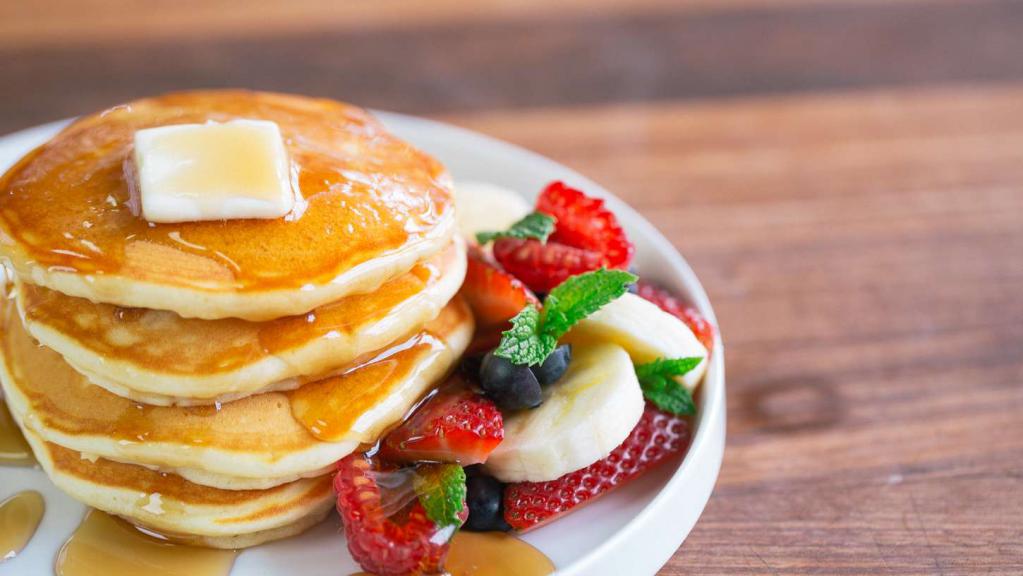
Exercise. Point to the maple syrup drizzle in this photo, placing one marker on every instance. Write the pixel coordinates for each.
(14, 450)
(19, 517)
(104, 545)
(492, 554)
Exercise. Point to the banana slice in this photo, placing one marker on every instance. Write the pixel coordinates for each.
(585, 415)
(645, 331)
(484, 207)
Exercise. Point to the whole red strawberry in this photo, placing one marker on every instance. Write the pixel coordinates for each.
(657, 436)
(388, 531)
(455, 425)
(703, 330)
(584, 222)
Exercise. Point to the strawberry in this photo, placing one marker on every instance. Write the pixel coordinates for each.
(703, 330)
(656, 437)
(455, 425)
(544, 266)
(493, 294)
(584, 222)
(388, 530)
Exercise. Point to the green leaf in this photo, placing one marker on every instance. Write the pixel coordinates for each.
(657, 379)
(534, 225)
(534, 334)
(582, 295)
(525, 343)
(441, 491)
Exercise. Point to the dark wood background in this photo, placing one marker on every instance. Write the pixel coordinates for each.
(846, 178)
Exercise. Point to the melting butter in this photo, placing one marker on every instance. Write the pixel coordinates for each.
(212, 171)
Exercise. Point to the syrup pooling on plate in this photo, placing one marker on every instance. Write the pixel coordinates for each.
(364, 193)
(331, 408)
(19, 517)
(104, 545)
(14, 450)
(494, 554)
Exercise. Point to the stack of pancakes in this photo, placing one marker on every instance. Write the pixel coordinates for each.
(201, 379)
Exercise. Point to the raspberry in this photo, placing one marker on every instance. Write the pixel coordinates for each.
(703, 330)
(657, 436)
(544, 266)
(385, 537)
(584, 222)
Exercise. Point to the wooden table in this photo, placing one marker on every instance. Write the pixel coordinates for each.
(846, 178)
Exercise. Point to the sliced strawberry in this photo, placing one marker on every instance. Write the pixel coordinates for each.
(493, 294)
(456, 425)
(703, 330)
(388, 531)
(657, 436)
(544, 266)
(584, 222)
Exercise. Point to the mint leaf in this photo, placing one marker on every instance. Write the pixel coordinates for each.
(534, 334)
(534, 225)
(657, 379)
(582, 295)
(525, 343)
(441, 491)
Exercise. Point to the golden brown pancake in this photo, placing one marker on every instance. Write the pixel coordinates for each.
(371, 207)
(171, 505)
(257, 442)
(158, 357)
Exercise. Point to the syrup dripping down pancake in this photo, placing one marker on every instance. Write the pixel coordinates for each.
(189, 513)
(158, 357)
(256, 442)
(371, 207)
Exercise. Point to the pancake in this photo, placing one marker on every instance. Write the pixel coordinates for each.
(257, 442)
(158, 357)
(172, 506)
(371, 207)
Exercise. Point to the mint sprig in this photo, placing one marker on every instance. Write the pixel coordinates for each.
(534, 225)
(657, 379)
(441, 491)
(534, 333)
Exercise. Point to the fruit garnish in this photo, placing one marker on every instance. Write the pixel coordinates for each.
(585, 415)
(485, 499)
(584, 222)
(512, 386)
(703, 330)
(554, 366)
(494, 295)
(658, 436)
(544, 266)
(388, 530)
(455, 425)
(534, 333)
(657, 379)
(536, 225)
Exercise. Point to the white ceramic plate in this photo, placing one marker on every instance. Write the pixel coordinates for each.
(631, 531)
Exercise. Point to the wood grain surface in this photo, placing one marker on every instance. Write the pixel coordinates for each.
(845, 177)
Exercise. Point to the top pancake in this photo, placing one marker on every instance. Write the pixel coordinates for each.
(370, 208)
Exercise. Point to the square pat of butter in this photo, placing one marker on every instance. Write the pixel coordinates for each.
(213, 171)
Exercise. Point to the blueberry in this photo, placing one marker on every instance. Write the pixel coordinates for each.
(484, 495)
(510, 386)
(554, 366)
